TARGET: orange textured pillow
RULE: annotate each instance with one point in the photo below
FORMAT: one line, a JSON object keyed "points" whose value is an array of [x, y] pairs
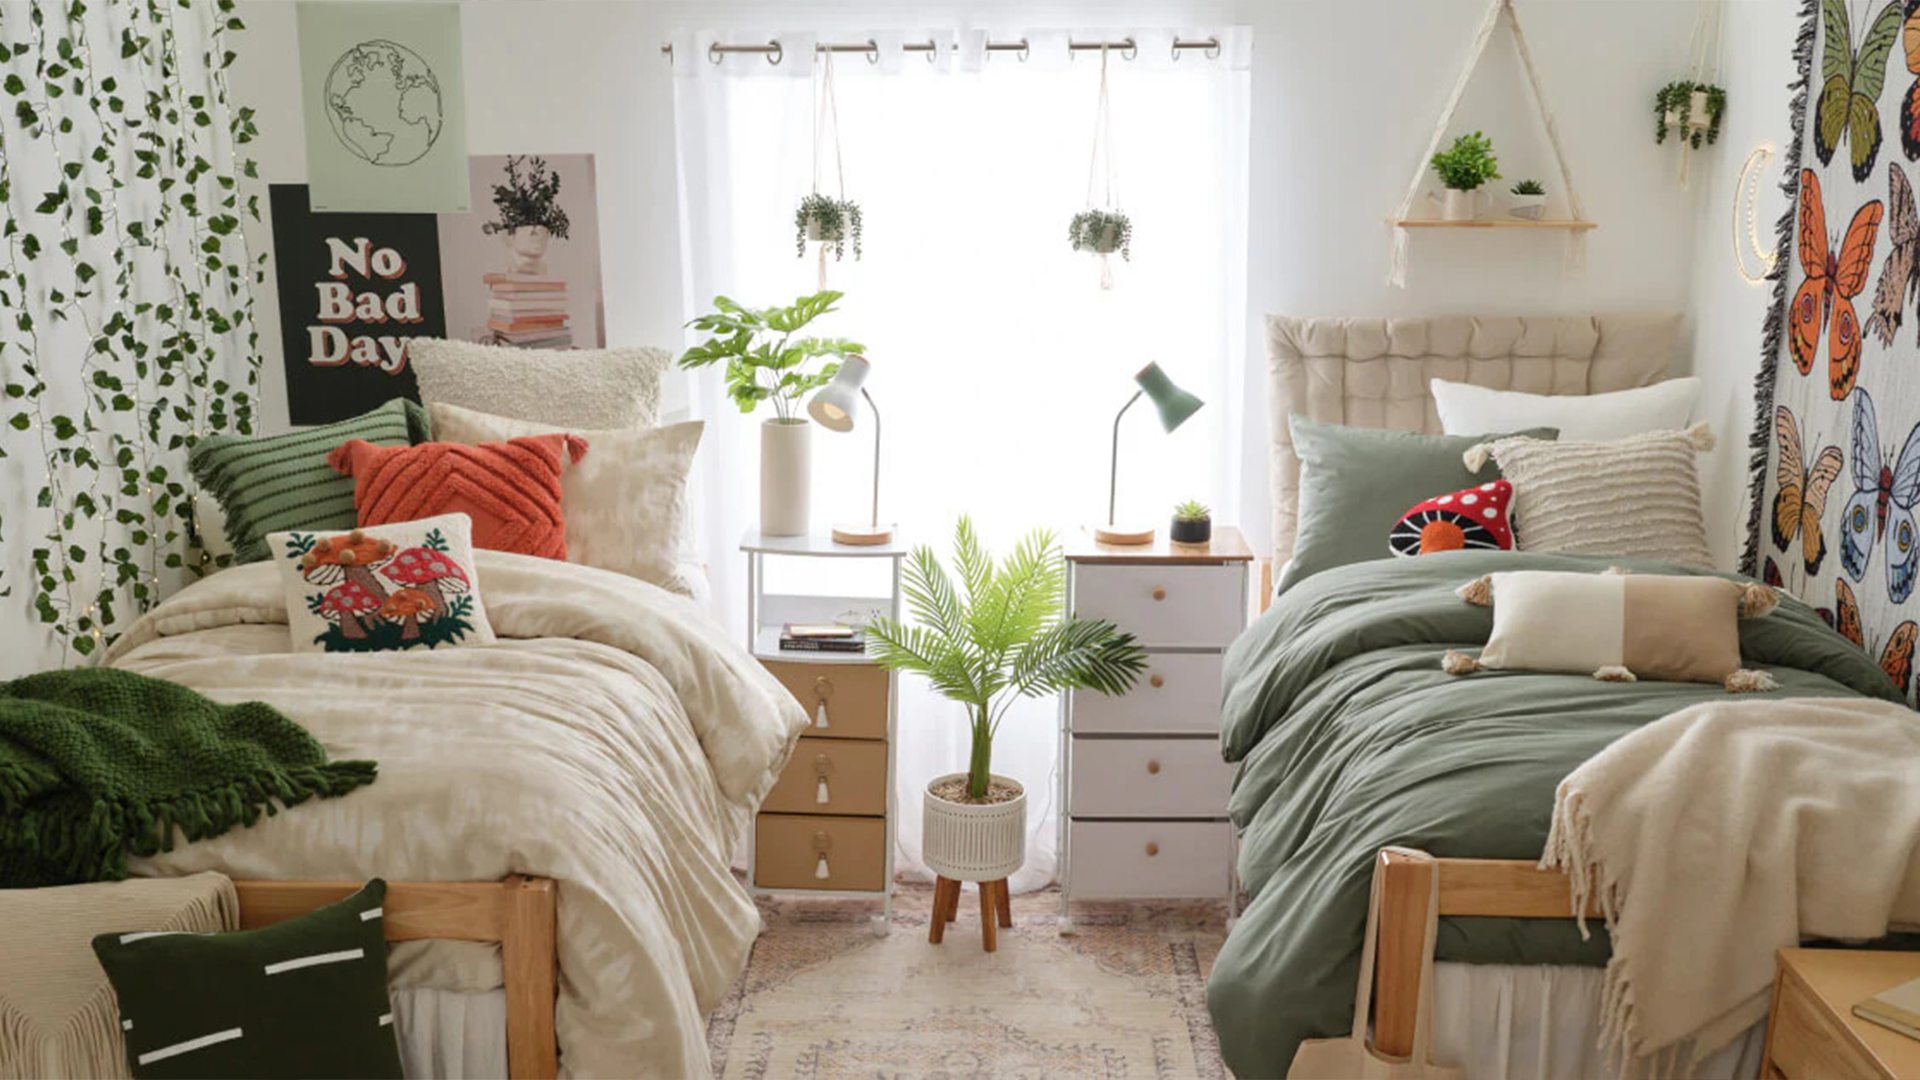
{"points": [[510, 489]]}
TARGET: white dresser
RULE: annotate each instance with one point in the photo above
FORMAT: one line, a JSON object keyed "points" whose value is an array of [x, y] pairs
{"points": [[1141, 775]]}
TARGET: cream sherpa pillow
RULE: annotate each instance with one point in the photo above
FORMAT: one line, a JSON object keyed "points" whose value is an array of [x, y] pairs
{"points": [[1618, 626], [568, 388]]}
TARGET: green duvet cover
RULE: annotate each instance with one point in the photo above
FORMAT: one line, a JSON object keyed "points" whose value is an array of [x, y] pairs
{"points": [[1350, 737]]}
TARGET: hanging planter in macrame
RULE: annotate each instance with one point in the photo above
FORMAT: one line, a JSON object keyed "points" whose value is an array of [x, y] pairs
{"points": [[831, 221], [1102, 229], [1691, 108]]}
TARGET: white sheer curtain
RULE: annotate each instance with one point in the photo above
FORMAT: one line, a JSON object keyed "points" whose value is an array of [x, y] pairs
{"points": [[998, 360]]}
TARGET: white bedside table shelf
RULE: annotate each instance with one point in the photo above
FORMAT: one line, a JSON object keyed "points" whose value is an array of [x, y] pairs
{"points": [[1141, 777], [827, 827]]}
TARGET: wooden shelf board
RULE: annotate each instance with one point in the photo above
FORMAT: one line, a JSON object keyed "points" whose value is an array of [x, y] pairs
{"points": [[1495, 223]]}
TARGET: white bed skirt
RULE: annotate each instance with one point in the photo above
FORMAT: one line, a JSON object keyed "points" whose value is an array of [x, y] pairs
{"points": [[451, 1034], [1541, 1022]]}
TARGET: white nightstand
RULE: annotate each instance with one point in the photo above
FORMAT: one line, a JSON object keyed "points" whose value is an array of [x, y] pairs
{"points": [[1141, 777], [827, 826]]}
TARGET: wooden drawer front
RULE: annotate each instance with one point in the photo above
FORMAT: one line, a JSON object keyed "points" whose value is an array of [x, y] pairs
{"points": [[853, 770], [855, 695], [1190, 606], [1149, 778], [1178, 694], [1109, 859], [787, 850], [1808, 1044]]}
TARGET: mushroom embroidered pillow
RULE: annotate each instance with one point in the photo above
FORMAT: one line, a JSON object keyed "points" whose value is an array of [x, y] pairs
{"points": [[383, 587], [1473, 518]]}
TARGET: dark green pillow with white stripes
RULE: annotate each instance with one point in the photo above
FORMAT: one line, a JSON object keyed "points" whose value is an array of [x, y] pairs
{"points": [[283, 483], [302, 998]]}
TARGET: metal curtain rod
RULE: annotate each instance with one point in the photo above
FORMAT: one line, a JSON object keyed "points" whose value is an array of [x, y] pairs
{"points": [[772, 50]]}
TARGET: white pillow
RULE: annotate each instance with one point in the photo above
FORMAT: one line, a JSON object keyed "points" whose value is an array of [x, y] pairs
{"points": [[571, 388], [412, 584], [625, 503], [1471, 410]]}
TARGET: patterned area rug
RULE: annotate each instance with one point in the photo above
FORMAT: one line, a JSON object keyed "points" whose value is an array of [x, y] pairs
{"points": [[1124, 996]]}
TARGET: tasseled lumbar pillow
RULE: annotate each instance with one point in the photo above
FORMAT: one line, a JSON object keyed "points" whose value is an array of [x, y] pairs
{"points": [[1618, 627], [510, 490]]}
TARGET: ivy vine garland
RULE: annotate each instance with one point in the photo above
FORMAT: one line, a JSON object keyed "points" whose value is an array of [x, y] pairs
{"points": [[126, 291]]}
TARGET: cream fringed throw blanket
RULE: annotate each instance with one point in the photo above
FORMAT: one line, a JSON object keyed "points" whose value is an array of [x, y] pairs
{"points": [[58, 1016], [1725, 831]]}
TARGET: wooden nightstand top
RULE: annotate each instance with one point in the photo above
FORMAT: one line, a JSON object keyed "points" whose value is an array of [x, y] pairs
{"points": [[1838, 979], [1227, 546]]}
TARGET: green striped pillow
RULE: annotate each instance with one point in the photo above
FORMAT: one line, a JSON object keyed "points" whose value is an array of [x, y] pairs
{"points": [[283, 482], [304, 997]]}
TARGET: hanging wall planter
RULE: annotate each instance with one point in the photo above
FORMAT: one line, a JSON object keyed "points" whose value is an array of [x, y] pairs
{"points": [[832, 223], [1102, 229], [1102, 232], [1690, 109]]}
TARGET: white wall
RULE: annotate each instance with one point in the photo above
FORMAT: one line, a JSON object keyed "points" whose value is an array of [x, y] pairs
{"points": [[1728, 311], [1345, 93]]}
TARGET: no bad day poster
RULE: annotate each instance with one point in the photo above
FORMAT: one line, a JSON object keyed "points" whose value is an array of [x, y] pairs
{"points": [[522, 269]]}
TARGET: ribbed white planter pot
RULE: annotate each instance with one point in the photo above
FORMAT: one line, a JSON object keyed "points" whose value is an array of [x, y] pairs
{"points": [[968, 842], [786, 477]]}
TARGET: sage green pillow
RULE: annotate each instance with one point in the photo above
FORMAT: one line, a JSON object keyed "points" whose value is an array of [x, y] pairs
{"points": [[302, 998], [1356, 482], [283, 483]]}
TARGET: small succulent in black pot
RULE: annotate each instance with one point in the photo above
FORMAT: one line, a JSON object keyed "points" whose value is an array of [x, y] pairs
{"points": [[1192, 524]]}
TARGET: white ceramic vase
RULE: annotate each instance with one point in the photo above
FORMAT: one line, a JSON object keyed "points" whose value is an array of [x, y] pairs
{"points": [[528, 243], [1461, 205], [786, 477], [969, 842], [1528, 207]]}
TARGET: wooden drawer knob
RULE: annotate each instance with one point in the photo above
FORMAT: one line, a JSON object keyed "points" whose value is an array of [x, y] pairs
{"points": [[1153, 768], [1159, 592], [1157, 680], [1152, 849]]}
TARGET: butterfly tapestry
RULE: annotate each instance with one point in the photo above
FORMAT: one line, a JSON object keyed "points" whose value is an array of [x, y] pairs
{"points": [[1824, 301], [1910, 101], [1896, 657], [1850, 82], [1900, 274], [1882, 504], [1802, 500]]}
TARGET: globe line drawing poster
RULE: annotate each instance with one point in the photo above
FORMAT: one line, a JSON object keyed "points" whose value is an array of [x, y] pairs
{"points": [[383, 104]]}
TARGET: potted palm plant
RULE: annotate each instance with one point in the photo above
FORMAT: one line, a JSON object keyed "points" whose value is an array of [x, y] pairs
{"points": [[766, 361], [992, 639]]}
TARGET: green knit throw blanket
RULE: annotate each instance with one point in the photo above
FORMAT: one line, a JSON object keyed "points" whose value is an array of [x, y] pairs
{"points": [[98, 764]]}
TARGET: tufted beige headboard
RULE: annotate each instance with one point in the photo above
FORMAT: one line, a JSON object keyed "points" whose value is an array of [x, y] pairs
{"points": [[1374, 372]]}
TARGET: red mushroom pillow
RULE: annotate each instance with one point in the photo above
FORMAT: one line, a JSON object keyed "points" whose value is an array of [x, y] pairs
{"points": [[406, 586], [510, 490], [1474, 518]]}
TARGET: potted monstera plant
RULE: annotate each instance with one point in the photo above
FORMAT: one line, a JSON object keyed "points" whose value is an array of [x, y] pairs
{"points": [[992, 637]]}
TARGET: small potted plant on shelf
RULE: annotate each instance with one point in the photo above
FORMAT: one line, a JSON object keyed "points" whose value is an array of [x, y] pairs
{"points": [[1693, 107], [829, 221], [1102, 232], [1463, 168], [1192, 523], [528, 212], [1529, 200], [990, 639], [766, 361]]}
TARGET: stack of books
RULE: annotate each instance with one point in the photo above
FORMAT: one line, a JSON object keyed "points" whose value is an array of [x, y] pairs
{"points": [[822, 637], [1897, 1009], [528, 311]]}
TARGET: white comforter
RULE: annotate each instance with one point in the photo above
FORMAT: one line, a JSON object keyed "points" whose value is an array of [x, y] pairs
{"points": [[614, 740]]}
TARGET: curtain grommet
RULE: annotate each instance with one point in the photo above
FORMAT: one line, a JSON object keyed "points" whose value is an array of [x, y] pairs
{"points": [[778, 54], [873, 51], [1213, 48], [1129, 50], [1026, 50], [933, 49], [714, 55]]}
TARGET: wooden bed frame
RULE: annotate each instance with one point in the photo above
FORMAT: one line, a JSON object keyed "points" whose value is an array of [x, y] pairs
{"points": [[517, 912], [1502, 888]]}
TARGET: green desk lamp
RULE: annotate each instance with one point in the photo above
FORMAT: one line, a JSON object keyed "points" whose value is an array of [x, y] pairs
{"points": [[835, 407], [1174, 406]]}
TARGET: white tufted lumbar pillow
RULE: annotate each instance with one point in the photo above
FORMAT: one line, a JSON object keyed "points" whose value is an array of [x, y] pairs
{"points": [[1466, 409], [1634, 496], [569, 388]]}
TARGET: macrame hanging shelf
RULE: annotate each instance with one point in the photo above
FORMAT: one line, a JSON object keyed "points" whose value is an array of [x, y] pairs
{"points": [[1576, 226]]}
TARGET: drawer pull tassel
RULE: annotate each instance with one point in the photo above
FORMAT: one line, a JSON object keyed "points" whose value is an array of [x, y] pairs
{"points": [[820, 868], [820, 796], [820, 715]]}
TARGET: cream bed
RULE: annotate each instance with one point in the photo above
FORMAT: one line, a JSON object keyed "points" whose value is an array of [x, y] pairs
{"points": [[1494, 1020], [615, 741]]}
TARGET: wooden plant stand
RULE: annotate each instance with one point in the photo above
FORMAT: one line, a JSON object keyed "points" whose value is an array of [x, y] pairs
{"points": [[995, 911]]}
